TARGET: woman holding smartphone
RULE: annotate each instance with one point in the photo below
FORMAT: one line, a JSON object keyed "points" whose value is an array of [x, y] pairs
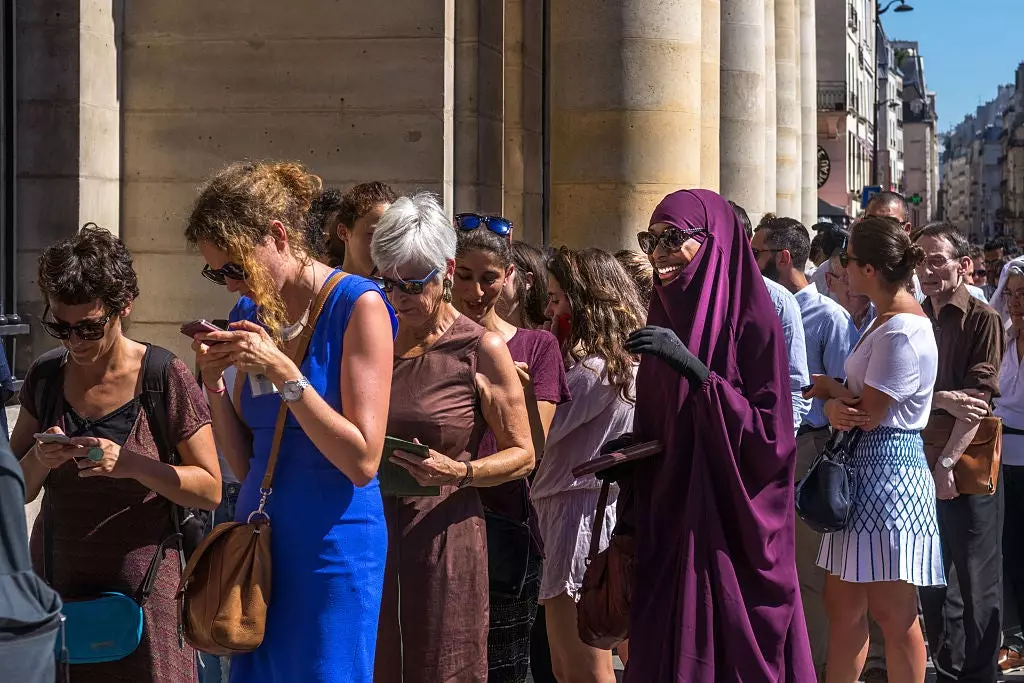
{"points": [[453, 380], [109, 496], [329, 541]]}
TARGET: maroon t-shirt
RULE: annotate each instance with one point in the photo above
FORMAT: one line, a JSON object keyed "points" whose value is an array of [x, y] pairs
{"points": [[540, 351]]}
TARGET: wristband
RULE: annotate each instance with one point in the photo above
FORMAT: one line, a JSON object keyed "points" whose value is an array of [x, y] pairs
{"points": [[468, 479], [214, 391]]}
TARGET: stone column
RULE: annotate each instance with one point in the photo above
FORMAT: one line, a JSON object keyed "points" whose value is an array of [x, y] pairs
{"points": [[743, 103], [770, 133], [798, 181], [809, 113], [787, 109], [69, 135], [625, 115], [710, 102]]}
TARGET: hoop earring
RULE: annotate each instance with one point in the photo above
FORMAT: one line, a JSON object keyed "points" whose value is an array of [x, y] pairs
{"points": [[446, 291]]}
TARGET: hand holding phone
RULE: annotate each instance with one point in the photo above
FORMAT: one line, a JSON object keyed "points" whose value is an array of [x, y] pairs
{"points": [[54, 448], [49, 437], [198, 327], [392, 444]]}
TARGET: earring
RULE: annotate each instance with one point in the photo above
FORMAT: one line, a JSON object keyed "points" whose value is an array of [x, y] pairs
{"points": [[446, 291]]}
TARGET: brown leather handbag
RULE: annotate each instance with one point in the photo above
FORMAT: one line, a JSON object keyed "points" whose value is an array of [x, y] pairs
{"points": [[602, 613], [977, 470], [225, 588]]}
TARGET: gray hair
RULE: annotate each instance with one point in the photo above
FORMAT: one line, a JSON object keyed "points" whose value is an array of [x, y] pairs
{"points": [[413, 231]]}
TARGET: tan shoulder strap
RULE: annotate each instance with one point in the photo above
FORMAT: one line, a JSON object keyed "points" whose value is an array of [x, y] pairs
{"points": [[298, 357]]}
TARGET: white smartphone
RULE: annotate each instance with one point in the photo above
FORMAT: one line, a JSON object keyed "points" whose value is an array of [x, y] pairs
{"points": [[62, 439]]}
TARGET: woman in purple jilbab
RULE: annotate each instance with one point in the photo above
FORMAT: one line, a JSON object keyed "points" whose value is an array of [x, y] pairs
{"points": [[716, 596]]}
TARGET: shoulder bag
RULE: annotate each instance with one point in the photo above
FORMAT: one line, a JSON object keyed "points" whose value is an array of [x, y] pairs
{"points": [[225, 588], [977, 470], [825, 496], [602, 613]]}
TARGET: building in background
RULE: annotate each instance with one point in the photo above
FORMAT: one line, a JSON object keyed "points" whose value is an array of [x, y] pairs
{"points": [[972, 169], [920, 135], [573, 118], [1012, 157], [846, 97], [888, 116]]}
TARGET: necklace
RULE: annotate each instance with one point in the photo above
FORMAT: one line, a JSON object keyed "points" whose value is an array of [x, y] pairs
{"points": [[295, 329]]}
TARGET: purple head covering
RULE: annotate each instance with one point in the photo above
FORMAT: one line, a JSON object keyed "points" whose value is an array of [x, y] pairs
{"points": [[716, 594]]}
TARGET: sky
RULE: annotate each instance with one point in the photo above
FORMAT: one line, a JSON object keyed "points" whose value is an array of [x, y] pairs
{"points": [[969, 48]]}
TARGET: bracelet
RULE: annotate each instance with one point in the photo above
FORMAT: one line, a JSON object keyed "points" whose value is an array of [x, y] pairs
{"points": [[214, 391], [468, 479]]}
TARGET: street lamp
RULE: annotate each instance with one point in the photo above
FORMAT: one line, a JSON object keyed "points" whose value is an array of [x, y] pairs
{"points": [[903, 7]]}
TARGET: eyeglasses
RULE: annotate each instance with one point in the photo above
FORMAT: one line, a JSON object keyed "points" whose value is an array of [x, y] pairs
{"points": [[412, 287], [671, 238], [86, 330], [845, 258], [472, 221], [219, 276], [758, 252], [936, 262]]}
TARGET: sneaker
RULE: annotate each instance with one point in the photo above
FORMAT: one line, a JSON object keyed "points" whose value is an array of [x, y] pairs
{"points": [[1010, 659]]}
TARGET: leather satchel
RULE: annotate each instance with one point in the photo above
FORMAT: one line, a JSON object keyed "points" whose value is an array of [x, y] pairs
{"points": [[602, 613], [225, 589], [824, 498], [977, 470]]}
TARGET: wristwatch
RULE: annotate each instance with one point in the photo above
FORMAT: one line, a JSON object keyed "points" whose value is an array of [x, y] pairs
{"points": [[947, 462], [291, 390]]}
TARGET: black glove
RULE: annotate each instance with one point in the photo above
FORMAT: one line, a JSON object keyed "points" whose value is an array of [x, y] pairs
{"points": [[618, 444], [663, 343]]}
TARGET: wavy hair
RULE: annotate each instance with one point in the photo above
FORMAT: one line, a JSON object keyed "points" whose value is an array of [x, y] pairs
{"points": [[234, 211], [605, 311]]}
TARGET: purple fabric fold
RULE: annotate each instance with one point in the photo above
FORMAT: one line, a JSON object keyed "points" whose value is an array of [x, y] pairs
{"points": [[716, 595]]}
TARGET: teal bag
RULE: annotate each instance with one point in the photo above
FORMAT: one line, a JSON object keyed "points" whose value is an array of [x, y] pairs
{"points": [[103, 629]]}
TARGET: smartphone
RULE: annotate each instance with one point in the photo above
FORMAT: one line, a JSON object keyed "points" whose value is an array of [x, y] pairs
{"points": [[391, 444], [62, 439], [196, 327]]}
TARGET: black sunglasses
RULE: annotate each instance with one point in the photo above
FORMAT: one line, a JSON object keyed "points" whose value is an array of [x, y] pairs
{"points": [[413, 287], [496, 224], [981, 272], [220, 275], [758, 252], [86, 330], [671, 238]]}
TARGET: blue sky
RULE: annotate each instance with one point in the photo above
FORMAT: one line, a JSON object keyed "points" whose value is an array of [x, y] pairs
{"points": [[969, 48]]}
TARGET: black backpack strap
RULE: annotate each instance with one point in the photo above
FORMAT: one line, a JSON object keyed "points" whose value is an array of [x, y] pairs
{"points": [[156, 367]]}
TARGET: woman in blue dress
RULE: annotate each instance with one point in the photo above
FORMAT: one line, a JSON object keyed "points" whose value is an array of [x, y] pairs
{"points": [[330, 539]]}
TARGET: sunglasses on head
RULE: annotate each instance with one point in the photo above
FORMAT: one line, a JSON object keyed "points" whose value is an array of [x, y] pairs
{"points": [[671, 238], [86, 330], [472, 221], [412, 287], [221, 275]]}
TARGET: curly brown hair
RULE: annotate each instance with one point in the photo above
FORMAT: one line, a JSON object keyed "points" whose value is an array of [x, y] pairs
{"points": [[234, 211], [94, 264], [605, 311]]}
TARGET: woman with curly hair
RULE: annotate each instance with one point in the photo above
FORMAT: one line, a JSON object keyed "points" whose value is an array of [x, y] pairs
{"points": [[593, 307], [109, 502], [330, 539]]}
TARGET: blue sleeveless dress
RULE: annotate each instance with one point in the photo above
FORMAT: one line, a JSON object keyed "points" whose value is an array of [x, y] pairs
{"points": [[329, 541]]}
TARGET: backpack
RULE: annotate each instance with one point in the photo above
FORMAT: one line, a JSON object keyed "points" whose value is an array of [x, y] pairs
{"points": [[155, 367]]}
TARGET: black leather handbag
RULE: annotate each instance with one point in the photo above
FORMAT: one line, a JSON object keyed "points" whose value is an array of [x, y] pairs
{"points": [[825, 496]]}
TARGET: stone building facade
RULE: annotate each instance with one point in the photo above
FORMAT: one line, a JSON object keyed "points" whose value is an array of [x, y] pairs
{"points": [[572, 117]]}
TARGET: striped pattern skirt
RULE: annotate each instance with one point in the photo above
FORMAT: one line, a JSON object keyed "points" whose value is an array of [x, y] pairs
{"points": [[894, 533]]}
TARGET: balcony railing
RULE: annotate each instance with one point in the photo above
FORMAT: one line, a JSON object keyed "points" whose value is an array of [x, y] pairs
{"points": [[832, 96]]}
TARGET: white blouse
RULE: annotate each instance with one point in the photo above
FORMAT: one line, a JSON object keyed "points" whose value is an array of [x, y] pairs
{"points": [[900, 359]]}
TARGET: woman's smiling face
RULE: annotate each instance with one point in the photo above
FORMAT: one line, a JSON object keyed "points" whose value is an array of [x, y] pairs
{"points": [[669, 263]]}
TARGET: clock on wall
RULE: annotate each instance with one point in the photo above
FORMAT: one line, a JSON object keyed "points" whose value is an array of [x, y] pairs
{"points": [[824, 166]]}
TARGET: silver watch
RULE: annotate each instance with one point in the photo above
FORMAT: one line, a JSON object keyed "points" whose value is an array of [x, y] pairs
{"points": [[291, 390], [947, 463]]}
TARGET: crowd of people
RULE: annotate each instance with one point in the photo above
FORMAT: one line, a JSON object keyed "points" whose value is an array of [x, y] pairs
{"points": [[460, 555]]}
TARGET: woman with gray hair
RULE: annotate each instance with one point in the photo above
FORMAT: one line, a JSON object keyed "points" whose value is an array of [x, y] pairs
{"points": [[452, 381]]}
